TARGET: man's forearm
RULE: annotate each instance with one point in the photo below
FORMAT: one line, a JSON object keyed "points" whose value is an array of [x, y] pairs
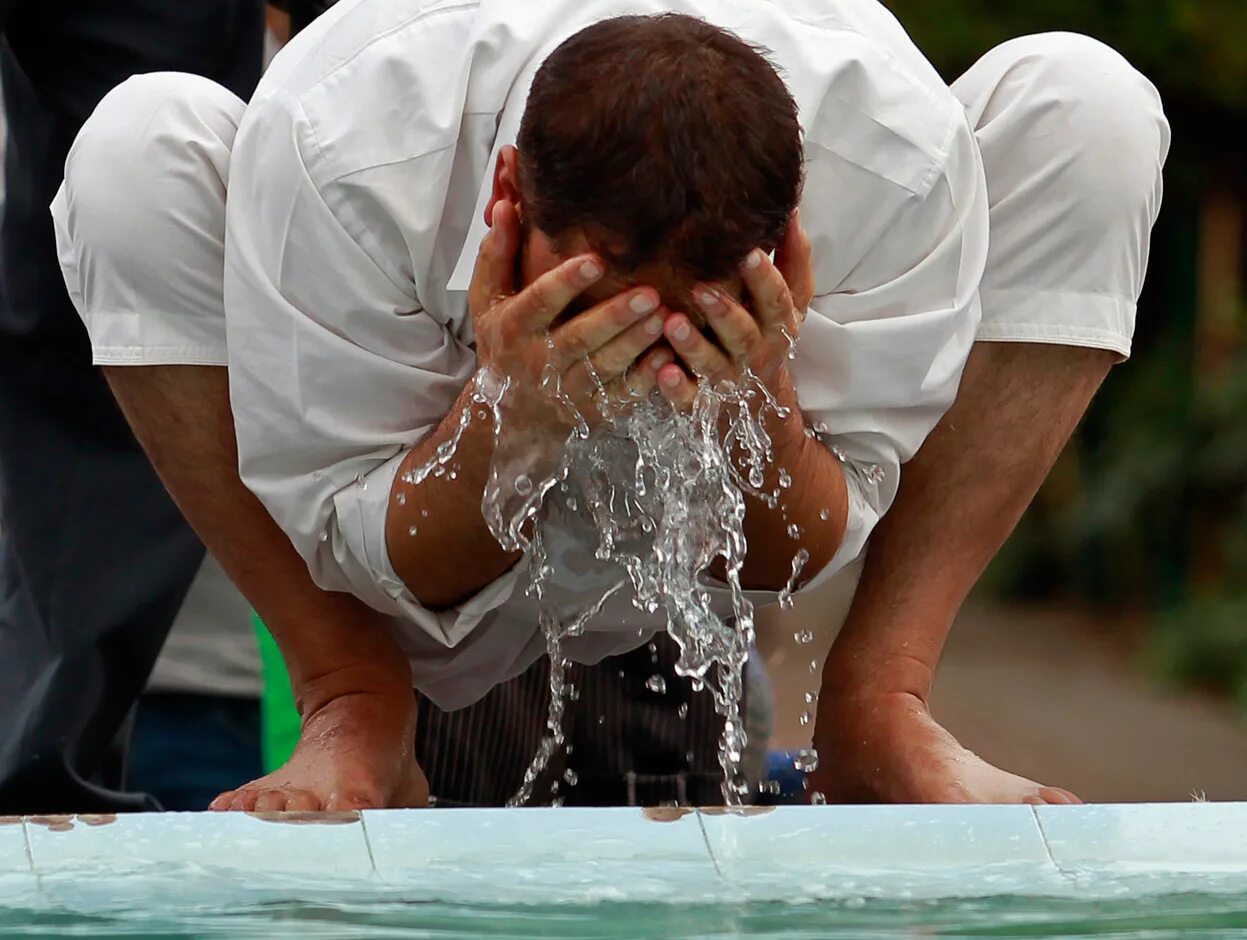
{"points": [[815, 501], [438, 541], [959, 499]]}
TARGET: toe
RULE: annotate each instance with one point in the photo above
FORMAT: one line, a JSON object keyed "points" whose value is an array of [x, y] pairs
{"points": [[301, 801], [353, 800], [222, 803], [270, 801], [244, 801], [1057, 796]]}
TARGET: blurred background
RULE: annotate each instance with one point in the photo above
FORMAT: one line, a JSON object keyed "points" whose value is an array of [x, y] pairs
{"points": [[1106, 650]]}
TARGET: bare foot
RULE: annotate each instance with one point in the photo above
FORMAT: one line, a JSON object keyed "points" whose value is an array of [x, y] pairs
{"points": [[890, 750], [354, 753]]}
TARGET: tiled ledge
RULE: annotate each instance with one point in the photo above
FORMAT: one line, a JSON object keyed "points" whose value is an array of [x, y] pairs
{"points": [[627, 854]]}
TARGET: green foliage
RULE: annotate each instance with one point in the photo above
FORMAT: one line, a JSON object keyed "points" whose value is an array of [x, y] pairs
{"points": [[1190, 47], [1204, 644]]}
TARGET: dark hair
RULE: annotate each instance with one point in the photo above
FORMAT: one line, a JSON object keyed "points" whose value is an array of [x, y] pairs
{"points": [[661, 137]]}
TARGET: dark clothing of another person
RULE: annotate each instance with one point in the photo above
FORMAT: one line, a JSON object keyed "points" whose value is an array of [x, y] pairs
{"points": [[94, 557]]}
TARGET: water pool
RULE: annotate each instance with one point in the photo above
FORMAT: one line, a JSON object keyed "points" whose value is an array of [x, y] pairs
{"points": [[799, 872]]}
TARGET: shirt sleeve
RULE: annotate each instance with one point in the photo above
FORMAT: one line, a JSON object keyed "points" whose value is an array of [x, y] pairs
{"points": [[335, 369], [881, 355]]}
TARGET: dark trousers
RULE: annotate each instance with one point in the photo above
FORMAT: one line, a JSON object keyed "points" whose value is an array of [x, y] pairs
{"points": [[94, 557], [627, 744], [187, 749]]}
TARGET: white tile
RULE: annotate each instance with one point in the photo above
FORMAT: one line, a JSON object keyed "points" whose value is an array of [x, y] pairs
{"points": [[1176, 837], [12, 847], [543, 854], [881, 851], [332, 845]]}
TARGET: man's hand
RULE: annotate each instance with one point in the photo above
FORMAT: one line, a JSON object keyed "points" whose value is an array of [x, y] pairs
{"points": [[758, 336], [572, 362]]}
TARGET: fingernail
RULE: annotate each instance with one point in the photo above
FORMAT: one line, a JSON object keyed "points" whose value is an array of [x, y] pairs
{"points": [[590, 270], [642, 303], [653, 326], [671, 379], [660, 359], [708, 298], [753, 259], [682, 332]]}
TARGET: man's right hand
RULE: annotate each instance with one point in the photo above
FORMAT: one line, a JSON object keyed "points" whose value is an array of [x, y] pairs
{"points": [[517, 339]]}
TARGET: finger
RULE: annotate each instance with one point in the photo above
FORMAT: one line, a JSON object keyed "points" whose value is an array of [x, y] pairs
{"points": [[735, 327], [222, 803], [642, 378], [795, 260], [676, 386], [619, 355], [494, 275], [771, 299], [540, 303], [703, 357], [588, 332]]}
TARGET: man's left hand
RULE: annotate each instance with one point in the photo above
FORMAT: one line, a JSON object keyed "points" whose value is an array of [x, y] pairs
{"points": [[758, 336]]}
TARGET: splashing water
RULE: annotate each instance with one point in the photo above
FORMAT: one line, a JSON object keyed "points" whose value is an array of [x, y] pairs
{"points": [[798, 562], [666, 494]]}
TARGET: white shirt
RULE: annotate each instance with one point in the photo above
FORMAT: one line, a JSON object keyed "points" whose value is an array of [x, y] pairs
{"points": [[356, 197]]}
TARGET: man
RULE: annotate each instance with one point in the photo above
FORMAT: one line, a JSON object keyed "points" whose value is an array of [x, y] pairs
{"points": [[658, 160], [95, 559]]}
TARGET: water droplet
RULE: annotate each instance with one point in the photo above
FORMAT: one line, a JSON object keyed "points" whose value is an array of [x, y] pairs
{"points": [[573, 693], [601, 719], [688, 756], [806, 760], [682, 711], [454, 474], [523, 485], [402, 499], [411, 531], [656, 684], [804, 636], [424, 514], [825, 515], [813, 666], [324, 536], [805, 718], [570, 776], [811, 698], [817, 799], [794, 531], [874, 474], [554, 787], [785, 479], [361, 482]]}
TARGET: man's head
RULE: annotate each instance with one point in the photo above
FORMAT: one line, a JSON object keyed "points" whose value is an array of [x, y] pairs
{"points": [[668, 146]]}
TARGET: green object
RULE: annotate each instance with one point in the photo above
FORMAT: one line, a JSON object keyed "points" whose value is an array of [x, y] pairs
{"points": [[279, 717]]}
